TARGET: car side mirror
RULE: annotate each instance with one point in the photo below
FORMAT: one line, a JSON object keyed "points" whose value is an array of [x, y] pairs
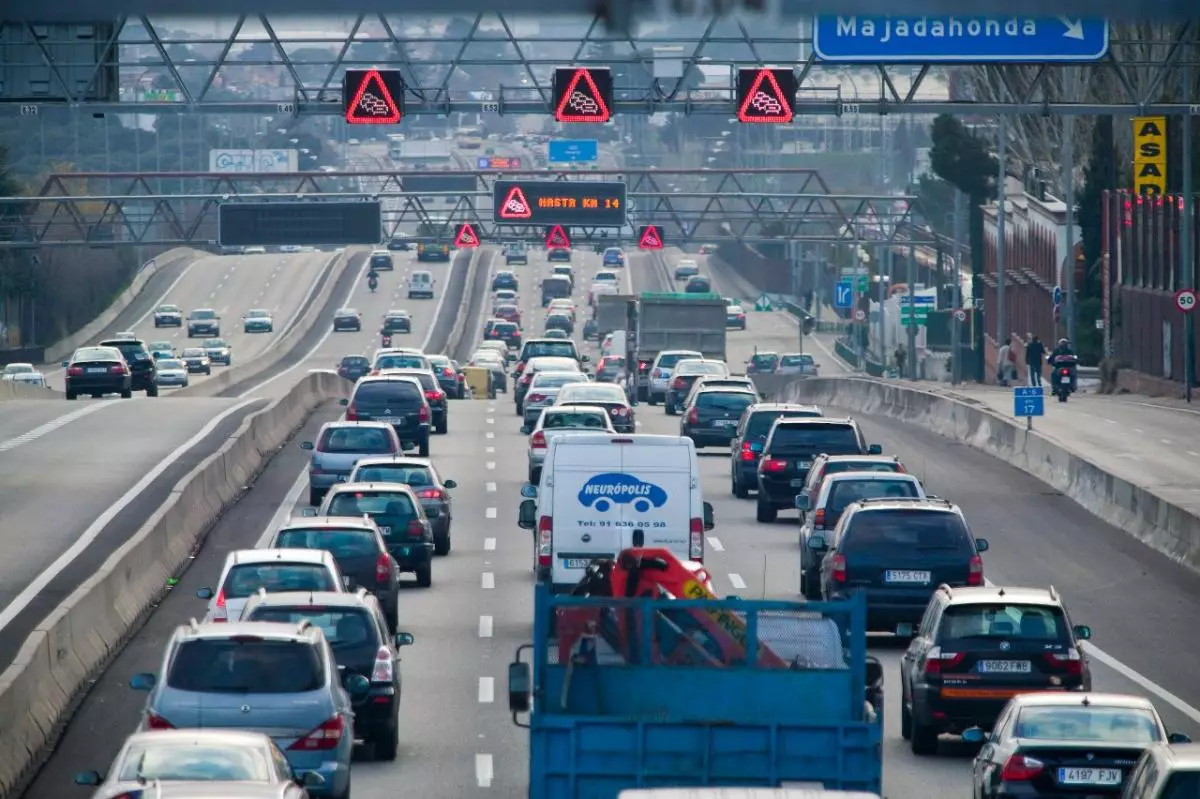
{"points": [[802, 502], [1082, 632], [529, 491], [1178, 738], [449, 484], [817, 543], [65, 364], [306, 445], [204, 593], [526, 514], [145, 681], [519, 687], [404, 639], [526, 429], [343, 402], [975, 735], [875, 449], [981, 545], [312, 779], [708, 516], [356, 685], [91, 778]]}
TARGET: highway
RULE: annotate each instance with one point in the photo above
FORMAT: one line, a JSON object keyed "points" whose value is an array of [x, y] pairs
{"points": [[457, 738]]}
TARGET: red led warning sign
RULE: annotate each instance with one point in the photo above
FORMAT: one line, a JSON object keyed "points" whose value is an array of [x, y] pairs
{"points": [[515, 205], [466, 236], [372, 96], [651, 238], [766, 95], [582, 95], [558, 237]]}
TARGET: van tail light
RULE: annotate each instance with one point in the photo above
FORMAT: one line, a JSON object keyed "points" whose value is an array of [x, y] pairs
{"points": [[1021, 768], [351, 413], [323, 738], [423, 414], [383, 568], [975, 575], [430, 493], [75, 371], [679, 384], [694, 416], [545, 529], [774, 465], [1069, 662], [434, 396], [220, 612], [643, 366], [696, 540], [937, 661], [748, 455], [837, 568], [535, 398], [118, 370], [819, 518], [900, 468], [538, 441], [156, 722], [384, 668], [416, 529]]}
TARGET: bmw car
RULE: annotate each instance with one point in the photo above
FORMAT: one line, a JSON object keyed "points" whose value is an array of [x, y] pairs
{"points": [[219, 351], [168, 316], [347, 319], [258, 320]]}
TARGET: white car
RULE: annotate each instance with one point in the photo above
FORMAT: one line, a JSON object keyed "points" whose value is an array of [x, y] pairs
{"points": [[171, 372], [168, 316], [554, 422], [276, 570], [23, 373]]}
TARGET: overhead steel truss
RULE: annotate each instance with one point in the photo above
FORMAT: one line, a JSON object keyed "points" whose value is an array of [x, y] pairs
{"points": [[113, 209], [493, 68]]}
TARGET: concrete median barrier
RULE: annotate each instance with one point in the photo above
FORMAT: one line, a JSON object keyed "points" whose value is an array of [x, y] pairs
{"points": [[474, 296], [1149, 515], [12, 390], [73, 643]]}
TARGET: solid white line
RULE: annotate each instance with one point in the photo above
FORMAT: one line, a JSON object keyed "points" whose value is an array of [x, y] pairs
{"points": [[487, 581], [490, 487], [487, 690], [737, 582], [39, 583], [715, 544], [489, 544], [54, 424], [485, 626], [490, 513], [284, 511], [483, 771]]}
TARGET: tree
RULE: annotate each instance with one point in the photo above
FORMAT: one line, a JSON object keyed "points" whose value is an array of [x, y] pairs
{"points": [[1099, 175]]}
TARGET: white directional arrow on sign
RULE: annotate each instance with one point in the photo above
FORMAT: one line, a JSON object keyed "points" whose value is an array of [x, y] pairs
{"points": [[1074, 28]]}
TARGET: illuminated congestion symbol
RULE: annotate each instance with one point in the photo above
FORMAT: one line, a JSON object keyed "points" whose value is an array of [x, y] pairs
{"points": [[515, 205], [581, 102], [765, 101], [466, 236], [651, 240], [373, 104], [558, 237]]}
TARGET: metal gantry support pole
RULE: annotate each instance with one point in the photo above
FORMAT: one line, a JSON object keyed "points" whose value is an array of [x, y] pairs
{"points": [[1068, 157], [1187, 267], [910, 362], [956, 326], [1001, 176]]}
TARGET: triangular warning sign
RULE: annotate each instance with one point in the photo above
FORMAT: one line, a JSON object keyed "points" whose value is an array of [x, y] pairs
{"points": [[651, 238], [765, 101], [373, 104], [582, 100], [558, 237], [515, 205], [466, 236]]}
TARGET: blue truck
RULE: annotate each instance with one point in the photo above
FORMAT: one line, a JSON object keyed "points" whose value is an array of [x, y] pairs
{"points": [[651, 692]]}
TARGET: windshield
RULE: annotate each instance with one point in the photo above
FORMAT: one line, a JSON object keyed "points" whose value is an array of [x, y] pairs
{"points": [[605, 277], [693, 368], [168, 309], [193, 352], [764, 361], [246, 664], [833, 467], [590, 420], [168, 364], [844, 492], [375, 503], [726, 400], [215, 344], [1119, 725], [358, 361], [204, 314], [275, 576], [18, 369], [815, 437], [346, 629], [339, 543], [416, 476], [905, 530], [796, 360], [550, 349], [552, 380], [369, 440], [192, 762]]}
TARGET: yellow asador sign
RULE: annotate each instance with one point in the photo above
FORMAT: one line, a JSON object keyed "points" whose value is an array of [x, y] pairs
{"points": [[1150, 155]]}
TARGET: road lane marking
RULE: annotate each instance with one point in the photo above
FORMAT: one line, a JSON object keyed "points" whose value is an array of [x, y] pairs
{"points": [[489, 434], [489, 450], [491, 487], [489, 544], [490, 513], [284, 511], [487, 690], [483, 771], [54, 424], [485, 626], [491, 420], [487, 581], [715, 544], [491, 465], [737, 582]]}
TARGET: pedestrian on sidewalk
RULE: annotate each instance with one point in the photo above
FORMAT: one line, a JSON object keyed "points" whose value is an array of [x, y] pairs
{"points": [[1006, 363], [1035, 355], [901, 356]]}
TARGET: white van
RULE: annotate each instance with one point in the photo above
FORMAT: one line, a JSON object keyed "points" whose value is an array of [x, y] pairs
{"points": [[601, 493], [420, 284]]}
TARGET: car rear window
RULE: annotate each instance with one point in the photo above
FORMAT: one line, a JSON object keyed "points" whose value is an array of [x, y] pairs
{"points": [[277, 576], [368, 440], [543, 380], [244, 665], [1004, 620], [815, 437], [669, 361], [132, 351], [339, 543], [178, 761], [380, 260], [591, 393], [375, 503], [1119, 725], [843, 492], [400, 361], [574, 419], [355, 360], [388, 391], [418, 476], [796, 360], [505, 328], [764, 360], [346, 629], [550, 349], [834, 467], [427, 381], [702, 369], [915, 529], [725, 400]]}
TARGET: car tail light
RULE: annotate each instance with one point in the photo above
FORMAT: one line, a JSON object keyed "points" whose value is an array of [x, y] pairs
{"points": [[384, 668], [461, 378], [837, 568], [1069, 662], [430, 493], [643, 365], [423, 414], [323, 738], [937, 661], [521, 368], [536, 398], [975, 575], [343, 371], [538, 441], [383, 567], [434, 396], [351, 413], [448, 372], [620, 410], [373, 372], [416, 529], [157, 722], [220, 612], [545, 540], [118, 370], [819, 518], [679, 384], [748, 455], [774, 465], [1021, 768], [694, 416], [75, 371], [696, 540]]}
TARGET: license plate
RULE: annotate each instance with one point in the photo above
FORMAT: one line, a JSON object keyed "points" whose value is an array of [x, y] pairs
{"points": [[385, 530], [576, 563], [797, 482], [97, 371], [1089, 776], [906, 576], [1005, 666], [391, 419], [724, 422], [1065, 379]]}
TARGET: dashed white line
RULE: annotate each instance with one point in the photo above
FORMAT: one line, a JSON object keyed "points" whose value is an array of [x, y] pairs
{"points": [[485, 626], [483, 770], [487, 690], [1165, 440], [1194, 453], [737, 582], [487, 581], [715, 544], [491, 465], [491, 487], [52, 425], [489, 434], [491, 420], [1137, 430], [490, 513], [489, 544], [489, 450]]}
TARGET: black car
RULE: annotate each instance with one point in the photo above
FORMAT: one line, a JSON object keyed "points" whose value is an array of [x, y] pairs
{"points": [[396, 322], [353, 367], [422, 476], [896, 552], [357, 546], [712, 418], [501, 330], [448, 375], [506, 280], [357, 633], [560, 255], [347, 319], [1051, 744], [698, 284], [143, 373], [560, 321], [434, 395], [401, 519], [751, 434], [399, 401], [556, 288], [788, 453], [382, 262], [399, 245], [203, 322], [97, 371]]}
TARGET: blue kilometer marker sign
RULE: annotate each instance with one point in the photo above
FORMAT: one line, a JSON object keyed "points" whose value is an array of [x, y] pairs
{"points": [[958, 39]]}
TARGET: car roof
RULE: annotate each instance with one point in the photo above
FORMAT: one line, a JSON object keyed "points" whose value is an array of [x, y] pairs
{"points": [[931, 504], [382, 460], [1073, 699], [343, 423], [860, 458], [703, 389], [681, 352], [243, 557], [343, 599], [217, 790], [114, 342], [192, 734], [839, 477], [547, 340], [990, 594], [258, 629], [366, 488], [797, 421], [575, 409], [381, 252], [392, 376], [316, 522]]}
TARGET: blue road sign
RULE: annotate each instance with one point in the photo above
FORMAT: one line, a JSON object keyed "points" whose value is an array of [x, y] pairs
{"points": [[1058, 295], [1029, 401], [566, 151], [843, 294], [961, 39]]}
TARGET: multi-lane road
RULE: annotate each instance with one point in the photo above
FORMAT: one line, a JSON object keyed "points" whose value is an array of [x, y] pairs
{"points": [[457, 737]]}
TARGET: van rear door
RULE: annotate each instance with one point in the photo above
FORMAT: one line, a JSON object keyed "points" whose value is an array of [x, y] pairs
{"points": [[661, 468]]}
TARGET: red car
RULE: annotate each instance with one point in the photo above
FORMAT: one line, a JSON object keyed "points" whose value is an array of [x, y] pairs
{"points": [[509, 313]]}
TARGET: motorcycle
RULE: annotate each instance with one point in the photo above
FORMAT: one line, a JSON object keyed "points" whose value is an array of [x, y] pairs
{"points": [[387, 339], [1062, 375], [372, 284]]}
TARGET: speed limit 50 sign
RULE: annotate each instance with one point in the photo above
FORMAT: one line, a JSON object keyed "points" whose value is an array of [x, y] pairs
{"points": [[1185, 300]]}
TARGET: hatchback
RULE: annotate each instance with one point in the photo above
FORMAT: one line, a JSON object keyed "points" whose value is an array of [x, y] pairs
{"points": [[604, 395], [684, 377], [401, 518], [791, 447], [347, 319], [543, 391], [142, 370], [422, 476], [338, 446], [248, 570]]}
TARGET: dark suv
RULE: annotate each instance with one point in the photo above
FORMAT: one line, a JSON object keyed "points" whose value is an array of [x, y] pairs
{"points": [[399, 401], [712, 417], [357, 632], [977, 647], [751, 434], [434, 395], [501, 330], [896, 551], [143, 374], [789, 451], [382, 262]]}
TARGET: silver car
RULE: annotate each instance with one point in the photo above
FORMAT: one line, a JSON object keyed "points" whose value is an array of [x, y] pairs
{"points": [[544, 390], [219, 351], [171, 372], [797, 363], [556, 421], [169, 758], [196, 360], [23, 373], [339, 446]]}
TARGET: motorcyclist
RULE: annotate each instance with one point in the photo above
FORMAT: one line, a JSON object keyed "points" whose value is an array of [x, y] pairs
{"points": [[1063, 350], [372, 280]]}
